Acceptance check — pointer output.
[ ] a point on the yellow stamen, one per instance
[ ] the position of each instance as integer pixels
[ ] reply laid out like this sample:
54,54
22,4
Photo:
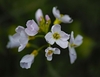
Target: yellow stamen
56,36
49,52
73,45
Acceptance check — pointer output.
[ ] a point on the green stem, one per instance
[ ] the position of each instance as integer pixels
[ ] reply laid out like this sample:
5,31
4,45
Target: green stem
33,37
32,45
39,36
42,47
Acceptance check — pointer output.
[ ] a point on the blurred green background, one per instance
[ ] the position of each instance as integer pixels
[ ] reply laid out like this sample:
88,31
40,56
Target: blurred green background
86,16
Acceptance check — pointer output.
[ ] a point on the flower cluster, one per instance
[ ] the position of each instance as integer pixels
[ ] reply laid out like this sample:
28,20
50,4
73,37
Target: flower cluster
40,28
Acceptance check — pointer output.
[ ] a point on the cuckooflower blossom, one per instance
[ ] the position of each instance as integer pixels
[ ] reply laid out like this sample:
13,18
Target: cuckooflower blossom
13,41
26,61
19,39
58,36
50,51
32,28
72,44
63,18
23,40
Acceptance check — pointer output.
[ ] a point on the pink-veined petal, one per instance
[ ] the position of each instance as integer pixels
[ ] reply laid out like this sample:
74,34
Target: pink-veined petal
32,28
32,24
31,33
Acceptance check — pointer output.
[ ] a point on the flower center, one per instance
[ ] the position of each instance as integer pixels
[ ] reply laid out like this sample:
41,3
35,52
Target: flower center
61,15
50,52
56,36
73,45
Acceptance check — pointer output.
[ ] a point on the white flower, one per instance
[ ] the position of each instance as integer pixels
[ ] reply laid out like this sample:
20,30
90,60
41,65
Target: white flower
58,36
50,51
62,18
32,28
13,41
26,61
38,15
23,40
74,43
19,39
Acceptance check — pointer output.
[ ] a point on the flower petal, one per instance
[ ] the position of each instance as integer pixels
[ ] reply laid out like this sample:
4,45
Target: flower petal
78,40
19,29
49,48
32,28
21,47
64,36
66,19
56,12
13,41
31,33
49,38
26,61
62,44
57,51
72,37
62,18
49,58
31,24
56,28
23,38
38,15
72,54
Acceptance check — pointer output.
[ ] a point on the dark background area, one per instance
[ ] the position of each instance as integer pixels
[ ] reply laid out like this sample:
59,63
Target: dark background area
86,16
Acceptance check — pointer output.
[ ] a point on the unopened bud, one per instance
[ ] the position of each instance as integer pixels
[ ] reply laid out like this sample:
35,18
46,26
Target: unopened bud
47,17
